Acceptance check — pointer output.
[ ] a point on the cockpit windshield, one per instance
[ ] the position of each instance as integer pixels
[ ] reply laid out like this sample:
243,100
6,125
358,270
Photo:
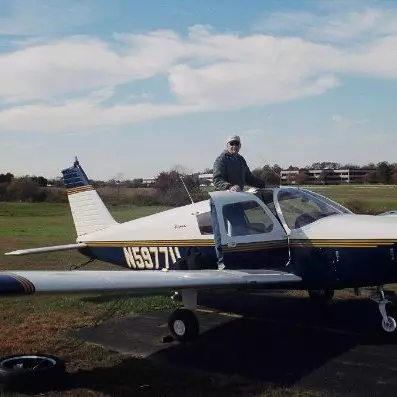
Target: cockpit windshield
301,207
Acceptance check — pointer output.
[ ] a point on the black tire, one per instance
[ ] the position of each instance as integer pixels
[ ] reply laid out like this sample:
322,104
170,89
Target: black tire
30,371
184,325
321,295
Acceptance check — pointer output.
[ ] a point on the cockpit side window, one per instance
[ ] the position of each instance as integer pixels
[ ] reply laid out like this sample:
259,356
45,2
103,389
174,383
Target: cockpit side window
246,218
204,223
300,208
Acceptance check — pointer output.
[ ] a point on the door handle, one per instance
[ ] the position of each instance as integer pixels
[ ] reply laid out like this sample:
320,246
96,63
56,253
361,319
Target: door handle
231,244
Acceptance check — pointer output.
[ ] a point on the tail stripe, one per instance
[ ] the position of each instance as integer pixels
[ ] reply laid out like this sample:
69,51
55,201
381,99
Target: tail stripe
79,189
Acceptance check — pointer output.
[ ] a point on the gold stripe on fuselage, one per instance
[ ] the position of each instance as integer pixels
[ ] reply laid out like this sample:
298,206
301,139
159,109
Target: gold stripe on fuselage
152,243
348,243
265,245
189,243
254,246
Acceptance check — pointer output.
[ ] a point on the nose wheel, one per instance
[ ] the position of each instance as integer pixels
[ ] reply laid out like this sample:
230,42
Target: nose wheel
388,322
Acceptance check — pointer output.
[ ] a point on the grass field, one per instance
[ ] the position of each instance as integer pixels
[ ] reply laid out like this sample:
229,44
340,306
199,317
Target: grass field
41,323
374,198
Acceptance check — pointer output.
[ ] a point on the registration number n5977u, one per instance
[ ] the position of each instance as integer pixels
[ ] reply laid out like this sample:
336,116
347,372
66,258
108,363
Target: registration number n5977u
150,257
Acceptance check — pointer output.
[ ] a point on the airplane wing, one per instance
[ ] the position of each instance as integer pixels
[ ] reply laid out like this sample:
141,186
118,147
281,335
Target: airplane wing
128,281
51,248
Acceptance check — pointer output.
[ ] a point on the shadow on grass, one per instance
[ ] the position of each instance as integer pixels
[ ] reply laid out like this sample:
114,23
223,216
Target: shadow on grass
141,377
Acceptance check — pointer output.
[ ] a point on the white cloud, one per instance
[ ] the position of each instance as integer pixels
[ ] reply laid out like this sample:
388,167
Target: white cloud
206,71
377,59
68,66
334,24
44,17
85,115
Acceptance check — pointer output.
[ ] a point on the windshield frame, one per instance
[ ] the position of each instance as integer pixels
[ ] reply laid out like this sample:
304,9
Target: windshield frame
337,208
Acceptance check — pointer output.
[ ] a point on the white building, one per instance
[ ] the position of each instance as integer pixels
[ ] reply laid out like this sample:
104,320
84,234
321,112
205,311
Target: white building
328,176
205,180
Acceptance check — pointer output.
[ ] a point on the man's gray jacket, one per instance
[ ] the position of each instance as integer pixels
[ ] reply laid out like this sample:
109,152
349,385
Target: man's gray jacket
230,170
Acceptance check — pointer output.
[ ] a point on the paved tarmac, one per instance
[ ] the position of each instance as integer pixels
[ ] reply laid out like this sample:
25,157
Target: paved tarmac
274,338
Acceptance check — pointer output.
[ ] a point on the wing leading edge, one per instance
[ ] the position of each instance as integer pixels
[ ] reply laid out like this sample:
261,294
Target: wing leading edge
110,281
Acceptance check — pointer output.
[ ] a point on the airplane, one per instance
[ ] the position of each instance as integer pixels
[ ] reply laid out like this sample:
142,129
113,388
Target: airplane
283,237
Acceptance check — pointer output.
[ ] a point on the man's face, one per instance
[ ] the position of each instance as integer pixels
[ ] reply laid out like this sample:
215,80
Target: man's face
233,147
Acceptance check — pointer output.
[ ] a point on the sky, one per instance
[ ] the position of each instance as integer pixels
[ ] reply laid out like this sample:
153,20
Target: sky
136,87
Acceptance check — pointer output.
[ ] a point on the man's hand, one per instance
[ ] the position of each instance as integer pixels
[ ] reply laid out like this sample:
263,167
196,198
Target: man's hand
235,188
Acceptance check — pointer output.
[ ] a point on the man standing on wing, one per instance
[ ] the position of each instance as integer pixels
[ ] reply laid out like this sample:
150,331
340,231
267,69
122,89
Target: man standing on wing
230,172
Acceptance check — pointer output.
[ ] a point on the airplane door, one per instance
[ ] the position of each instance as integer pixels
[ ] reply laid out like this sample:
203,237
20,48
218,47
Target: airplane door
251,236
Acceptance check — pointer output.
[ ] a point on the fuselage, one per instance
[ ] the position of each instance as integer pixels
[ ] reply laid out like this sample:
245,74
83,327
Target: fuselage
338,250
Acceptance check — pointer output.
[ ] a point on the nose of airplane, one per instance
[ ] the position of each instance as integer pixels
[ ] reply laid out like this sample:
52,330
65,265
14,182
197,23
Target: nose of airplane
351,250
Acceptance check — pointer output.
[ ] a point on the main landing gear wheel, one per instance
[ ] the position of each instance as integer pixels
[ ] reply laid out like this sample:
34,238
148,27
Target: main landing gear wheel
183,325
321,295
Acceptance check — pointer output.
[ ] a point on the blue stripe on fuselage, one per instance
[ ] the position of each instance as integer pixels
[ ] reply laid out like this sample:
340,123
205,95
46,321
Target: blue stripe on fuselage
139,259
253,259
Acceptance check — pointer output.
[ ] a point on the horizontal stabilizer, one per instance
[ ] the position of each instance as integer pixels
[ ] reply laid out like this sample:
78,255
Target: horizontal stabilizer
21,282
52,248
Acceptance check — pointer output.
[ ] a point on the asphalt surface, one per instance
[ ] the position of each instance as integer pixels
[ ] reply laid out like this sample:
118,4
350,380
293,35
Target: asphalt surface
274,338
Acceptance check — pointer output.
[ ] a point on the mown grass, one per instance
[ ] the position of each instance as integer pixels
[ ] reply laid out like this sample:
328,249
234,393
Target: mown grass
372,198
42,323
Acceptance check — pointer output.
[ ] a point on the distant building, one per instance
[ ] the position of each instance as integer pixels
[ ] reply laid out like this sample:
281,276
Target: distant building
148,181
205,180
325,176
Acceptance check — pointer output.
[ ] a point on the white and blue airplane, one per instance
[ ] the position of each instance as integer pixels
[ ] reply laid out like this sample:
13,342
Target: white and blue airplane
283,237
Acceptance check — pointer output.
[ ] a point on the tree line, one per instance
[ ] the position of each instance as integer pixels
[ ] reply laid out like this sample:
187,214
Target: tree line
174,188
380,173
170,188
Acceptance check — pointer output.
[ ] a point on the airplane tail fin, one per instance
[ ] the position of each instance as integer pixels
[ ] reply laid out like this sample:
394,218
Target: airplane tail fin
88,210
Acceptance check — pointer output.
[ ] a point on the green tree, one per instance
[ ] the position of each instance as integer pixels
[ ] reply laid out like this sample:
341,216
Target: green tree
385,171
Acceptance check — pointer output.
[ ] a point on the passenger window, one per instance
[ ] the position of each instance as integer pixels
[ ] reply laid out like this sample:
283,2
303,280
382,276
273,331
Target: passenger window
246,218
204,223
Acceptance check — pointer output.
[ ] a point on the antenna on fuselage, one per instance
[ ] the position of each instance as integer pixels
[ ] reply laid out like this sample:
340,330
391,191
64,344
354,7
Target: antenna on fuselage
278,175
187,191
